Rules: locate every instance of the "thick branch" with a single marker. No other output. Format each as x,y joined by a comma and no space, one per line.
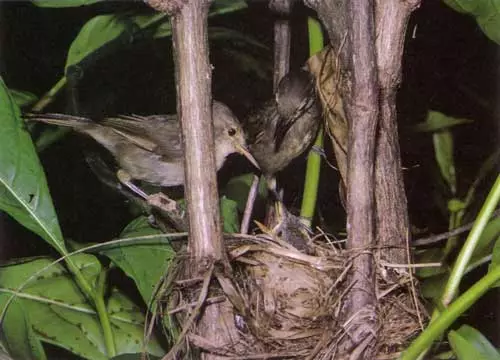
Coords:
362,111
282,38
193,75
391,205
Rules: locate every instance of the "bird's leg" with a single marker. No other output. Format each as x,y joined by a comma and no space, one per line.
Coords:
166,208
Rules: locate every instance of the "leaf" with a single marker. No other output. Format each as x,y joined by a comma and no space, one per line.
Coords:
128,325
146,261
468,343
104,29
24,193
61,315
486,13
220,7
489,236
117,30
23,98
230,218
18,335
436,121
443,148
51,289
64,3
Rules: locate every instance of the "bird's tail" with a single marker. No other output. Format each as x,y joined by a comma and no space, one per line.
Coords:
75,122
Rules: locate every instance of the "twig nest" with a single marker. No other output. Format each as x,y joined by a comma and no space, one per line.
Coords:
289,295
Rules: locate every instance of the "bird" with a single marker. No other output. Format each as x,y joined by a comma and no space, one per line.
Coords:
149,148
285,127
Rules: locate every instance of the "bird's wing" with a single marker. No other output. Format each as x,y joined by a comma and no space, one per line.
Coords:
159,134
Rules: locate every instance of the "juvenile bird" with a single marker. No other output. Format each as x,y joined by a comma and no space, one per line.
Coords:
283,128
149,148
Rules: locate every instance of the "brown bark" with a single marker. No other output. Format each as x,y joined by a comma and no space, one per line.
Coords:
362,111
392,230
282,39
193,79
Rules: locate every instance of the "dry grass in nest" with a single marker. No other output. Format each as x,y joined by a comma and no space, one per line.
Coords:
288,304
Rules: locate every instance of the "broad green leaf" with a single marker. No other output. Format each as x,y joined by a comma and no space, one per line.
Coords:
230,218
468,343
23,98
128,325
145,261
60,314
50,289
24,194
104,29
436,121
64,3
18,334
50,281
119,30
137,356
486,13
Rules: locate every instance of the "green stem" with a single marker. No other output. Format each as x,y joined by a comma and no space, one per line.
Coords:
448,316
49,95
470,244
103,314
310,194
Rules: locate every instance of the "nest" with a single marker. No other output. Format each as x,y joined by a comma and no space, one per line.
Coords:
288,304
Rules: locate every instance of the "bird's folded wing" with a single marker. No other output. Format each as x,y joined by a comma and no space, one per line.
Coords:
159,134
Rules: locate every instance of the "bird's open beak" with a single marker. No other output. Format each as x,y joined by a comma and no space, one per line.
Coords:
243,151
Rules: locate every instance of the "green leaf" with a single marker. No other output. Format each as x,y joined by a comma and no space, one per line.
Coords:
64,3
51,290
118,30
41,277
436,121
486,13
145,261
60,314
230,218
24,193
489,236
23,98
443,148
468,343
104,29
18,334
128,325
220,7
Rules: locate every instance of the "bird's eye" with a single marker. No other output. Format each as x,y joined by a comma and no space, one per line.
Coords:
231,131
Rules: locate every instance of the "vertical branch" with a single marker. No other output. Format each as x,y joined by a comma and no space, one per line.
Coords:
391,204
362,110
282,39
193,79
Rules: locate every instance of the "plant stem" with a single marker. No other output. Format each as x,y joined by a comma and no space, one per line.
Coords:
313,169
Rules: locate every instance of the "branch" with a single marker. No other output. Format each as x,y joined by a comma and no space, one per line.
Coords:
193,79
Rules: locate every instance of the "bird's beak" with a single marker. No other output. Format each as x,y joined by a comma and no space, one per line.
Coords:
244,151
